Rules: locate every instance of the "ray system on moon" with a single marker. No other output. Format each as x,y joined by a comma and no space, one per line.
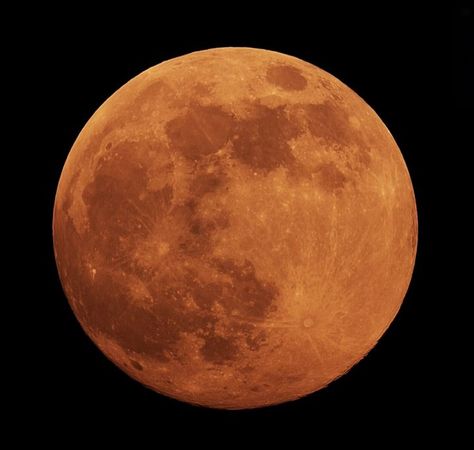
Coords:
235,228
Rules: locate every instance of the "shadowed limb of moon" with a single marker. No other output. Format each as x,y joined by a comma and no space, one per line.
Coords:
235,228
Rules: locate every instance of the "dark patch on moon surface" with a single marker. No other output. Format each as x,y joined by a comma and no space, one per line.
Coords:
207,183
330,178
248,295
261,141
286,77
330,122
218,349
154,326
200,131
118,212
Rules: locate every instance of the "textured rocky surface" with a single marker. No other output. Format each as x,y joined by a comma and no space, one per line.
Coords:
235,228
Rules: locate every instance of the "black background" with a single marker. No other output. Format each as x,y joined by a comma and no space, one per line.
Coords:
409,65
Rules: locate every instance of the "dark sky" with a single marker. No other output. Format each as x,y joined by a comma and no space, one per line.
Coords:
463,56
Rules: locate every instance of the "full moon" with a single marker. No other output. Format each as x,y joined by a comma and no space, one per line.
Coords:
235,228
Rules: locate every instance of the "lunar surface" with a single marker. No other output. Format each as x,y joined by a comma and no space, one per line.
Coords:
235,228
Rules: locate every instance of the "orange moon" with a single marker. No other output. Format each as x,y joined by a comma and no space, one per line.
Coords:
235,228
